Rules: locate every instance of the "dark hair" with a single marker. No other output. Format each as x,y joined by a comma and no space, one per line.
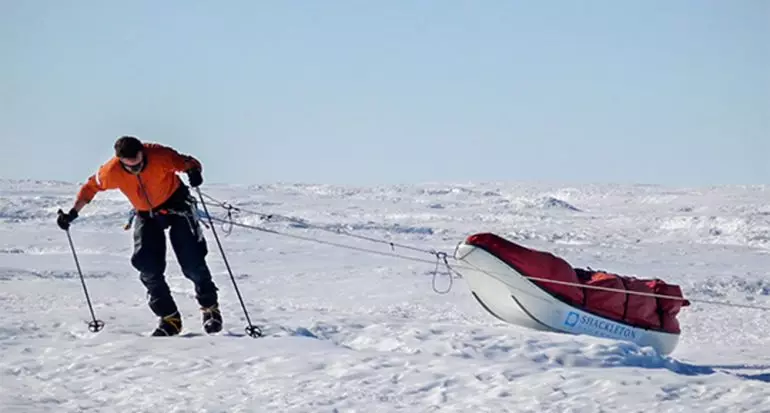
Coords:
127,147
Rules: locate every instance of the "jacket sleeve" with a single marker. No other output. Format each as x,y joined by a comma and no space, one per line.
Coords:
97,182
179,162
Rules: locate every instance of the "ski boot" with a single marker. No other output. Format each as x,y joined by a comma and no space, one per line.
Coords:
169,325
212,319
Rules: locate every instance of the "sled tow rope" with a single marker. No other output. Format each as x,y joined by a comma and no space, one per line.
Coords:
440,258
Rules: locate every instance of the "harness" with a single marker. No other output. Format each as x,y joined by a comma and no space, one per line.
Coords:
189,213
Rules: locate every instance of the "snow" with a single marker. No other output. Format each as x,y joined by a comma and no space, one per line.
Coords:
349,331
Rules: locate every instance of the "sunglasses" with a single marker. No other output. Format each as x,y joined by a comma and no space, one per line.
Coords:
133,168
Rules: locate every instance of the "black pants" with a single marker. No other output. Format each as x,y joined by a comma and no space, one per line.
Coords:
149,258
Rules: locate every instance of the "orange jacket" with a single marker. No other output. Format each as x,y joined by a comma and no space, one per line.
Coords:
157,181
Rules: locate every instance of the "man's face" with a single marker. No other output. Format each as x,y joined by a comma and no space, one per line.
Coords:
133,165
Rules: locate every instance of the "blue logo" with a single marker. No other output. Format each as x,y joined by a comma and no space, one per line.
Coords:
572,319
597,326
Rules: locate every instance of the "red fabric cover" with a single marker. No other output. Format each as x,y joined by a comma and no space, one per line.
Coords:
669,308
609,304
642,310
532,263
638,310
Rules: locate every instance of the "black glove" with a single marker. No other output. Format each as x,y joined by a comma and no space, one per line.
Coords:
64,219
194,175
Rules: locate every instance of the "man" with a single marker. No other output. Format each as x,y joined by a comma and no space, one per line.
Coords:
146,173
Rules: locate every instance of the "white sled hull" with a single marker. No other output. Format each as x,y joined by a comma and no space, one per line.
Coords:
514,299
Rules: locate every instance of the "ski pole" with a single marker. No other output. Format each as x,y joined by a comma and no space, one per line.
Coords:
94,325
251,329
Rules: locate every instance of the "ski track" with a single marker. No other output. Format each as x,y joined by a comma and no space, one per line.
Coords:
350,332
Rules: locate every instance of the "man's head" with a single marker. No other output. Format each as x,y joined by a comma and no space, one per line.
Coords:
128,149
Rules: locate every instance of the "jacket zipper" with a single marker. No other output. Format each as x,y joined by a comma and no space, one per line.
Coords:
146,196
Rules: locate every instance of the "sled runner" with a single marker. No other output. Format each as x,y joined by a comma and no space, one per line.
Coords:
539,290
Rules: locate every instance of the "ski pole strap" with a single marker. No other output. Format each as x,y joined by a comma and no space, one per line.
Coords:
131,216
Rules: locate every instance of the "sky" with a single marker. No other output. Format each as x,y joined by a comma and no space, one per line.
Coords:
396,92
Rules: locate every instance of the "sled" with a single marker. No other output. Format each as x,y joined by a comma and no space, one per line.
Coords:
538,290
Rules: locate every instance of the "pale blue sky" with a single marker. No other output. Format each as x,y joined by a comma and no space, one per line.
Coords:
351,92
